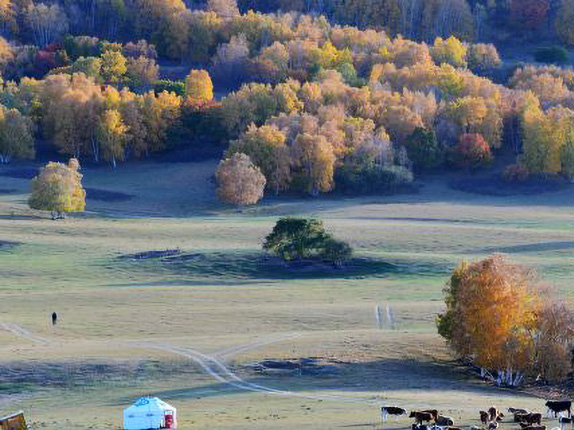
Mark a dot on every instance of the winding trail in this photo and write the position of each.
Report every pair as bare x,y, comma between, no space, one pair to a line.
220,372
210,364
23,333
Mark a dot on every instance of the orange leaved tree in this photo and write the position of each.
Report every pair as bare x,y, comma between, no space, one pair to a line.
491,317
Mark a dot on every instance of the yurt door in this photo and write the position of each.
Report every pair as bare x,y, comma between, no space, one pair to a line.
168,420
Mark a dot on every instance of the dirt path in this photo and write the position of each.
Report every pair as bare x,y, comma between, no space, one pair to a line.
20,331
220,372
227,353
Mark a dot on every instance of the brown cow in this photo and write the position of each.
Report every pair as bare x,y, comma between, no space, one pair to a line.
484,417
421,416
433,412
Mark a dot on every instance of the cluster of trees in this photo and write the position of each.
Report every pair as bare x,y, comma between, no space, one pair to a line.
425,20
499,317
332,107
305,238
87,120
184,29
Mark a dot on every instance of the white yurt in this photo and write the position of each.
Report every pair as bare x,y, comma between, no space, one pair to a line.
150,413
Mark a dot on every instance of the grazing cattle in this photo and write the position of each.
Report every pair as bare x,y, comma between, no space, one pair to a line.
444,421
494,414
421,416
433,412
527,420
518,411
520,418
555,407
391,410
484,417
493,425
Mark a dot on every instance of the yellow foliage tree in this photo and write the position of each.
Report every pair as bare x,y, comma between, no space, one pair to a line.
112,135
58,189
239,181
198,87
314,162
492,308
266,147
451,51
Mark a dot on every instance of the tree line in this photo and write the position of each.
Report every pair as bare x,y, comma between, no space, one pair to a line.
318,107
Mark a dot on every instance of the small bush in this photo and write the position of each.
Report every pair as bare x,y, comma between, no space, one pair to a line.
551,54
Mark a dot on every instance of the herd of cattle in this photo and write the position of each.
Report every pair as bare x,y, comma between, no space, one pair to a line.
431,419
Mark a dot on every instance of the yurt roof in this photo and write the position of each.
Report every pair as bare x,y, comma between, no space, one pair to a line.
150,403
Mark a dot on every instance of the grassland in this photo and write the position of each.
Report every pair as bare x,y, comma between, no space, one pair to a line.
132,327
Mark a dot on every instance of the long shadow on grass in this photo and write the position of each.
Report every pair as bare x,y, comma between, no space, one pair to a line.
250,266
385,375
532,247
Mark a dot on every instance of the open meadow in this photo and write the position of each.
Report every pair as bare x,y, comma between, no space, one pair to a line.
192,327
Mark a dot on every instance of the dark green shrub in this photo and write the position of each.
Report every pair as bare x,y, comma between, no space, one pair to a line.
551,54
372,179
423,150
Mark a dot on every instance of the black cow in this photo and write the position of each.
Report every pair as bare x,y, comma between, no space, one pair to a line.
555,407
54,318
444,421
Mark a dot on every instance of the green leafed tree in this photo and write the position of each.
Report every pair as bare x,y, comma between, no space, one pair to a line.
303,238
16,138
424,150
58,189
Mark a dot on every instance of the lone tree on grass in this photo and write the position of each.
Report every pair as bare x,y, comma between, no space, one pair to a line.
58,189
498,316
302,238
239,181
